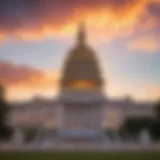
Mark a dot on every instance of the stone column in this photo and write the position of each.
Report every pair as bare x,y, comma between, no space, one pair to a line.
18,137
60,116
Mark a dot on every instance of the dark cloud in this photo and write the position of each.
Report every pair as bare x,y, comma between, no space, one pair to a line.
154,10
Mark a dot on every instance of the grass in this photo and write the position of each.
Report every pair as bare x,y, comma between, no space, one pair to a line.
80,156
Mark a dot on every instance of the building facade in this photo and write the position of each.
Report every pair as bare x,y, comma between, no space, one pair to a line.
45,114
81,109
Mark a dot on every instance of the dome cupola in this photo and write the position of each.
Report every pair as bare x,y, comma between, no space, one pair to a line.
81,70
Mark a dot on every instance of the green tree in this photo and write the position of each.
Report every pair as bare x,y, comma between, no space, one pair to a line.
157,110
5,130
155,124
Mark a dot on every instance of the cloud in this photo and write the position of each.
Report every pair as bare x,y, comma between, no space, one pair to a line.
153,91
2,38
39,19
14,75
154,11
23,81
145,44
149,91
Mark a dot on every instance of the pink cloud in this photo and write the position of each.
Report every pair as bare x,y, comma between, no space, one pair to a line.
34,20
146,44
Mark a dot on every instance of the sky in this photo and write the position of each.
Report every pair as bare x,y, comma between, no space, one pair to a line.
36,36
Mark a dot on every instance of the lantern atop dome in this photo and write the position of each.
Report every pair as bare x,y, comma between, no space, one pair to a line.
81,34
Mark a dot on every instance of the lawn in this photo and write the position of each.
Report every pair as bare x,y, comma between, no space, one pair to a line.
79,156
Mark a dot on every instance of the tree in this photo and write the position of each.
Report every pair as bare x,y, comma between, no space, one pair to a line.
29,134
155,130
157,110
132,126
155,126
5,130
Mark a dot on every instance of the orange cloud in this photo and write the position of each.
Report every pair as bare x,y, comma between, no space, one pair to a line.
22,81
153,91
145,44
139,92
107,18
15,75
2,38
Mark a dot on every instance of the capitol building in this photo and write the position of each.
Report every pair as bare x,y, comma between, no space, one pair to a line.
81,109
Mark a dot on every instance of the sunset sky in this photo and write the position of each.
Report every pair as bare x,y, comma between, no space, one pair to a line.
36,35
